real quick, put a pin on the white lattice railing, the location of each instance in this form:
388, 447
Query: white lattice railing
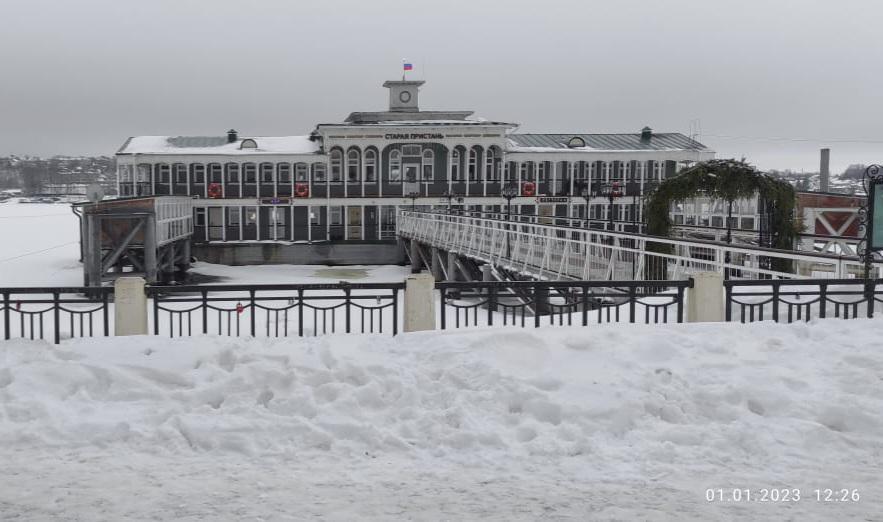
174, 218
553, 252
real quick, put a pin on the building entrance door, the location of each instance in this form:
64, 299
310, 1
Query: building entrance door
215, 223
412, 172
354, 223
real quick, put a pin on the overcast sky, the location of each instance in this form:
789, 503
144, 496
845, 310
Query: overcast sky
771, 80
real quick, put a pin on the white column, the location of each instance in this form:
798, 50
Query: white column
483, 172
705, 300
130, 306
450, 169
419, 303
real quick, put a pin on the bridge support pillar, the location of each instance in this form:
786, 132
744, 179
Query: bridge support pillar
452, 266
416, 263
705, 301
435, 264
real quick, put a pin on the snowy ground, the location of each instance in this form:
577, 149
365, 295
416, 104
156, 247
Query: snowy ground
626, 423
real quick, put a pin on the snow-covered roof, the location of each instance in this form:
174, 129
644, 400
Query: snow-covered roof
603, 142
218, 145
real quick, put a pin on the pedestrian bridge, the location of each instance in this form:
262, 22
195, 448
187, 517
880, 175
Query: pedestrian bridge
551, 248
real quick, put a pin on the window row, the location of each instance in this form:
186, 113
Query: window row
409, 165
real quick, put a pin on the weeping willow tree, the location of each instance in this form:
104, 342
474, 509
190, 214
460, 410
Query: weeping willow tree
728, 180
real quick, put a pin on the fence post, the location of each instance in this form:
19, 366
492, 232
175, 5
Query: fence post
419, 303
130, 306
705, 299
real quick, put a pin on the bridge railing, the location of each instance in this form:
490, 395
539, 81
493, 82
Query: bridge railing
555, 252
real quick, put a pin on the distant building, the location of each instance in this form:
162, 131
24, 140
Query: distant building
345, 181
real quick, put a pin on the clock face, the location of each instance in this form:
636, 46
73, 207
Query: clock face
405, 96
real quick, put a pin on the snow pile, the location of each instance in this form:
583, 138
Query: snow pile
707, 392
617, 422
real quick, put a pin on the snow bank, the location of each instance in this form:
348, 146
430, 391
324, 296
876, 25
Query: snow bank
608, 422
706, 392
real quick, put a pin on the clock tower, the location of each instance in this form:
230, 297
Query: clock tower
403, 95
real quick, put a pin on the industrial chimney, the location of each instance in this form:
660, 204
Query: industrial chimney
825, 170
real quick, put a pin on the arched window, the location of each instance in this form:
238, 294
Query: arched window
250, 173
473, 164
215, 173
428, 164
352, 166
197, 173
370, 166
301, 173
162, 173
179, 171
395, 166
616, 173
455, 165
283, 173
232, 172
576, 142
319, 172
336, 166
267, 173
582, 172
248, 143
489, 160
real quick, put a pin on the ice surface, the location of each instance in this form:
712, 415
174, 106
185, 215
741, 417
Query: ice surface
614, 422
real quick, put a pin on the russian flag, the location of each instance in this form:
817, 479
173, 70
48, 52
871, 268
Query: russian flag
408, 66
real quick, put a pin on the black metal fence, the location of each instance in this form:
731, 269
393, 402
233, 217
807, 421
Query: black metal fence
55, 313
276, 310
566, 303
789, 300
315, 309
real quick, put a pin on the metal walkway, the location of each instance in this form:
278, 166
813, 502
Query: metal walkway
538, 249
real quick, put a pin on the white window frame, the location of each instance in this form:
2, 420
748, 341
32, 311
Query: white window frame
336, 174
427, 160
353, 161
335, 215
231, 212
231, 172
249, 168
370, 166
301, 173
395, 167
455, 165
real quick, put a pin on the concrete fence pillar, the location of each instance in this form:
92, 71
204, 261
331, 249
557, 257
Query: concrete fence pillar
419, 303
705, 301
130, 306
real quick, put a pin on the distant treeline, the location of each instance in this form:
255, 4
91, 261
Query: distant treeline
56, 174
